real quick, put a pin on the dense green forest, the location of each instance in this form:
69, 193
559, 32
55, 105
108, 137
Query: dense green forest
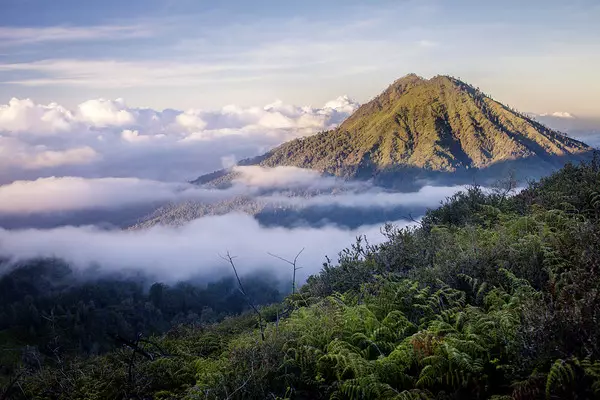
488, 297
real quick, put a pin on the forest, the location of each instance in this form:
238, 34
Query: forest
490, 296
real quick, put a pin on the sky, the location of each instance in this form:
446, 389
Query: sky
537, 56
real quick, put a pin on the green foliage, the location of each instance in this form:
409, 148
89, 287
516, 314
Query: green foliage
490, 297
441, 124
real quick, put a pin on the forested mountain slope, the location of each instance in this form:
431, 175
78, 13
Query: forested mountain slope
439, 125
489, 297
440, 131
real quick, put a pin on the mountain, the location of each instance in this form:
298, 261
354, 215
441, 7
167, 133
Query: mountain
435, 125
438, 131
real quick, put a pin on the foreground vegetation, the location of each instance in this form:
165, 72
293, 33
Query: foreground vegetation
490, 297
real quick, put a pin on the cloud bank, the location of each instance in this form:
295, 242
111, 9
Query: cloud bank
281, 186
107, 138
73, 193
426, 196
173, 254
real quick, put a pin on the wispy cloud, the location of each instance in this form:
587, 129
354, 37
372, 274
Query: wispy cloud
250, 51
116, 74
427, 43
10, 36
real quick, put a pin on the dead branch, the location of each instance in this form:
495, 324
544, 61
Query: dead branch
229, 259
134, 346
412, 219
294, 267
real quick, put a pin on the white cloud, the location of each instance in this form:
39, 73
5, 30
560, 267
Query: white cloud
558, 114
274, 116
112, 139
193, 249
28, 35
282, 176
16, 154
427, 43
52, 194
427, 196
134, 136
26, 116
192, 120
72, 193
342, 104
103, 112
120, 74
53, 158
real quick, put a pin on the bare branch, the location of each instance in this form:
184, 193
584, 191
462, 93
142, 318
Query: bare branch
134, 345
229, 258
293, 264
412, 219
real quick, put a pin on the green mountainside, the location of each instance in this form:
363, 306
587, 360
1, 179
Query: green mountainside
440, 124
438, 131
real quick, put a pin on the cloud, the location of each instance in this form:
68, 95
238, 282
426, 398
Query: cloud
272, 117
26, 116
53, 158
558, 114
107, 138
95, 73
342, 104
16, 154
427, 43
427, 196
191, 119
101, 113
173, 254
52, 194
298, 196
11, 36
281, 176
72, 193
586, 129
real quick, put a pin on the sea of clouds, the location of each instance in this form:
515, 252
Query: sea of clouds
107, 138
104, 155
194, 248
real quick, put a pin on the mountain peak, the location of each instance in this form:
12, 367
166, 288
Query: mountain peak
408, 79
439, 124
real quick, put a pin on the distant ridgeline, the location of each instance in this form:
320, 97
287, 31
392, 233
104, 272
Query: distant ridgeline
440, 131
489, 297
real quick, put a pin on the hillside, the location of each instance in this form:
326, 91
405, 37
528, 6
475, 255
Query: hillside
439, 131
490, 297
436, 125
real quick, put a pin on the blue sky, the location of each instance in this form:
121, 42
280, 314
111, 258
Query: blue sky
542, 56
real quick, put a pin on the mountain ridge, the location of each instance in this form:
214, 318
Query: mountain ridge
439, 131
440, 124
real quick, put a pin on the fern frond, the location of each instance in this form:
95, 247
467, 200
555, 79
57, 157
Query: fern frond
561, 374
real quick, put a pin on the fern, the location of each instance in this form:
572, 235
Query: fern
561, 374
